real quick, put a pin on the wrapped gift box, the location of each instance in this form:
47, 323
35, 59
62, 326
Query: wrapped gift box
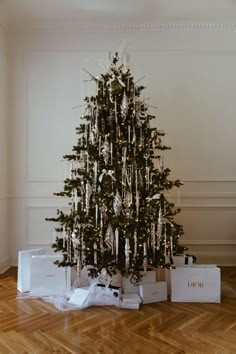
79, 297
130, 301
181, 260
196, 283
130, 288
24, 268
96, 295
47, 278
153, 292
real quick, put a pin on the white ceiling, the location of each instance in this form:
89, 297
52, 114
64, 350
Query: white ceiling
13, 12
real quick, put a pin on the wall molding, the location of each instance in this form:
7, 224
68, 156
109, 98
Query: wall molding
4, 197
76, 26
28, 210
206, 207
184, 180
4, 265
208, 242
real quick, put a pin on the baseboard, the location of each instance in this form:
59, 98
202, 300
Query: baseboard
4, 265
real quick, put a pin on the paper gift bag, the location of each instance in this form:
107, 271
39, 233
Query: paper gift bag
47, 278
153, 292
24, 268
195, 284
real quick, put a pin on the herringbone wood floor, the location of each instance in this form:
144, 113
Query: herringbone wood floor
36, 327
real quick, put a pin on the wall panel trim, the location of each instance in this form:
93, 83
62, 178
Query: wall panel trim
75, 26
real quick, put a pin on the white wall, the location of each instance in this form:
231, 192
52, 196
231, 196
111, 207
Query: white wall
191, 77
4, 157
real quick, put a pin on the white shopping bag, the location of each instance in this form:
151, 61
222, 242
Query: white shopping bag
194, 284
24, 268
47, 278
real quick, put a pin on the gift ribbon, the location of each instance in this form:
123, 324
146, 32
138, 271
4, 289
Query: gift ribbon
109, 173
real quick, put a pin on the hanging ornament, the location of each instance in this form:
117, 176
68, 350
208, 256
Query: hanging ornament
82, 192
171, 246
117, 203
127, 201
111, 151
109, 238
95, 168
127, 254
120, 82
92, 136
161, 164
136, 194
74, 239
117, 243
159, 228
96, 215
134, 136
105, 151
75, 199
95, 252
165, 244
88, 194
115, 108
64, 237
153, 237
106, 173
145, 261
101, 232
135, 243
124, 107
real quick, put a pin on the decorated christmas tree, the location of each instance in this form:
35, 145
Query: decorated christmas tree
120, 218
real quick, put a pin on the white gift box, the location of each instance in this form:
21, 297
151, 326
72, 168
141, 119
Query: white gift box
180, 260
131, 299
24, 268
147, 278
47, 278
79, 296
95, 295
196, 283
153, 292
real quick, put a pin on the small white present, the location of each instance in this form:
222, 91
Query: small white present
24, 268
79, 297
153, 292
131, 287
196, 283
131, 299
182, 259
95, 295
47, 278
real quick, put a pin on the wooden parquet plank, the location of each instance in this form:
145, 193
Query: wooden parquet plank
34, 326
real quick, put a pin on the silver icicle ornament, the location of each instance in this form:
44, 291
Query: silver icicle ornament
105, 151
88, 194
117, 203
124, 106
109, 238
